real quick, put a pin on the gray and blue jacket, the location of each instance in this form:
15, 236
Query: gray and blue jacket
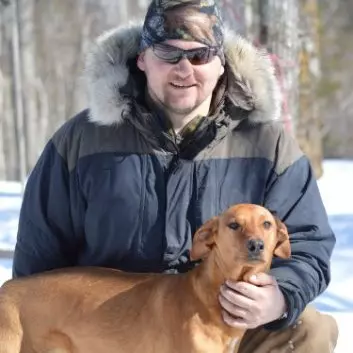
114, 188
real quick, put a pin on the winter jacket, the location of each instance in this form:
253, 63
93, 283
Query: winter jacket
113, 188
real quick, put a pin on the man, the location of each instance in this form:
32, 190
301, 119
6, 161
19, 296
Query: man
181, 125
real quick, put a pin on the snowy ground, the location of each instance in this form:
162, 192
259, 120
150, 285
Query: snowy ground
336, 187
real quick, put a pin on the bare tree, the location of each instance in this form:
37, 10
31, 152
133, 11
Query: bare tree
10, 169
308, 123
2, 101
2, 125
279, 22
234, 15
30, 77
18, 84
335, 86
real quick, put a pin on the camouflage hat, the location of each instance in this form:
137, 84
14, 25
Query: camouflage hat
194, 20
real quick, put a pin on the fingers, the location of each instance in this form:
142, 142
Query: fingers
236, 308
250, 304
263, 279
247, 290
236, 298
234, 321
232, 308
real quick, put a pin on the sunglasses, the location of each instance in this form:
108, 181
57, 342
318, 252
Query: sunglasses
197, 56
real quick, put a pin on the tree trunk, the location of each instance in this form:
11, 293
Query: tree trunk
7, 114
233, 13
29, 73
18, 85
2, 101
2, 125
279, 23
308, 131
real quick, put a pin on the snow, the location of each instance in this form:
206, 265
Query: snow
337, 193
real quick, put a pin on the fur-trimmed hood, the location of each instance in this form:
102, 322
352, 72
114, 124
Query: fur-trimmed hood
110, 78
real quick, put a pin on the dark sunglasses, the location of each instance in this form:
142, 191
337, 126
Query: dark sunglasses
197, 56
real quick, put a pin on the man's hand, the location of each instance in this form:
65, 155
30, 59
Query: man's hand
249, 305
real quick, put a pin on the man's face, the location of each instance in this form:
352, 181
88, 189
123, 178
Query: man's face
181, 87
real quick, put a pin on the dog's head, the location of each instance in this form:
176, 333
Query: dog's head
244, 236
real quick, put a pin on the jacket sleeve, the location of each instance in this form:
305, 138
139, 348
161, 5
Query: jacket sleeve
49, 217
294, 196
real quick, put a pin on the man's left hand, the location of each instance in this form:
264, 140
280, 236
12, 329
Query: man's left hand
250, 305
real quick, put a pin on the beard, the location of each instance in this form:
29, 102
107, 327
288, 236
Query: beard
170, 105
178, 110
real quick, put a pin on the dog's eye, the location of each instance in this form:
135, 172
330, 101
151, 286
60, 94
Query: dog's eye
233, 225
267, 225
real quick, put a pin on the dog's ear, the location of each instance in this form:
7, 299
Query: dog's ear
282, 249
204, 240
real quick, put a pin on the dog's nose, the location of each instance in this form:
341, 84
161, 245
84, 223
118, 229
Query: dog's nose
255, 246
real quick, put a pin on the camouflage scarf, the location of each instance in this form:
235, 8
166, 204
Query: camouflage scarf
193, 20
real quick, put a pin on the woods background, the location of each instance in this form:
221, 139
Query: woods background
43, 44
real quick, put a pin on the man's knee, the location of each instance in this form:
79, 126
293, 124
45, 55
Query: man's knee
315, 331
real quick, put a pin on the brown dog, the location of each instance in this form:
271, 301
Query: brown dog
96, 310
